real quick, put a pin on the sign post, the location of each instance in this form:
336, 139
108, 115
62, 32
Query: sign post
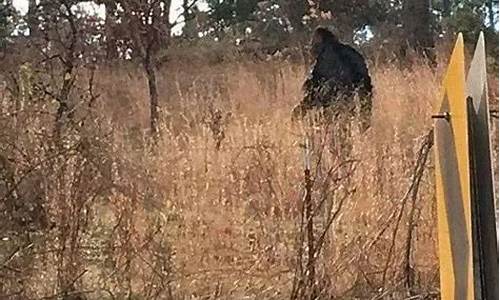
468, 248
453, 183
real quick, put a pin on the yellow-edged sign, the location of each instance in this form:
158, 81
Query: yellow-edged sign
453, 183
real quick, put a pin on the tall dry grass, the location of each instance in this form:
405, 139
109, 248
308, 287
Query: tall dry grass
213, 211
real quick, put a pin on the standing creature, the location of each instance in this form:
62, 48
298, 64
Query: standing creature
338, 75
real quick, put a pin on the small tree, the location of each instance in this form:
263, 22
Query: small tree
148, 28
65, 38
417, 23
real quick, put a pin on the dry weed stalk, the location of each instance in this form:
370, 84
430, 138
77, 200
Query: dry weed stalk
333, 190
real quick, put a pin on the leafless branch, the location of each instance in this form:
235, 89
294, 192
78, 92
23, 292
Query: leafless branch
412, 193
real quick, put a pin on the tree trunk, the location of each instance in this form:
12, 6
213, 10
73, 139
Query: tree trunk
418, 35
446, 8
190, 28
33, 18
153, 95
110, 22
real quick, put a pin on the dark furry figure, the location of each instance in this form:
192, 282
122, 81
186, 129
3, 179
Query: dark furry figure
339, 74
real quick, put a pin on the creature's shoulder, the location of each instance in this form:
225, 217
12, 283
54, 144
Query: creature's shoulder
350, 52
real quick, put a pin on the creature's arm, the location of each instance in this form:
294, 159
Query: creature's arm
358, 67
311, 84
308, 88
363, 80
313, 77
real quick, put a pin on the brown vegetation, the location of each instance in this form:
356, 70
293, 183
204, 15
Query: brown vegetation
213, 211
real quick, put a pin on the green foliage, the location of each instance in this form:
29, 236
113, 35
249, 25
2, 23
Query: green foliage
7, 21
471, 17
265, 21
347, 17
468, 17
226, 13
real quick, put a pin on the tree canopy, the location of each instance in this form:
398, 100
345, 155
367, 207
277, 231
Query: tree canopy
277, 24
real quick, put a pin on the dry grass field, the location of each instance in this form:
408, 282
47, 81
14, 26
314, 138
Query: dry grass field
214, 211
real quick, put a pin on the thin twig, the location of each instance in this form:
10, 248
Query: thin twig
418, 170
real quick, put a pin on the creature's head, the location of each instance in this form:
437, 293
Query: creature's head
322, 36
